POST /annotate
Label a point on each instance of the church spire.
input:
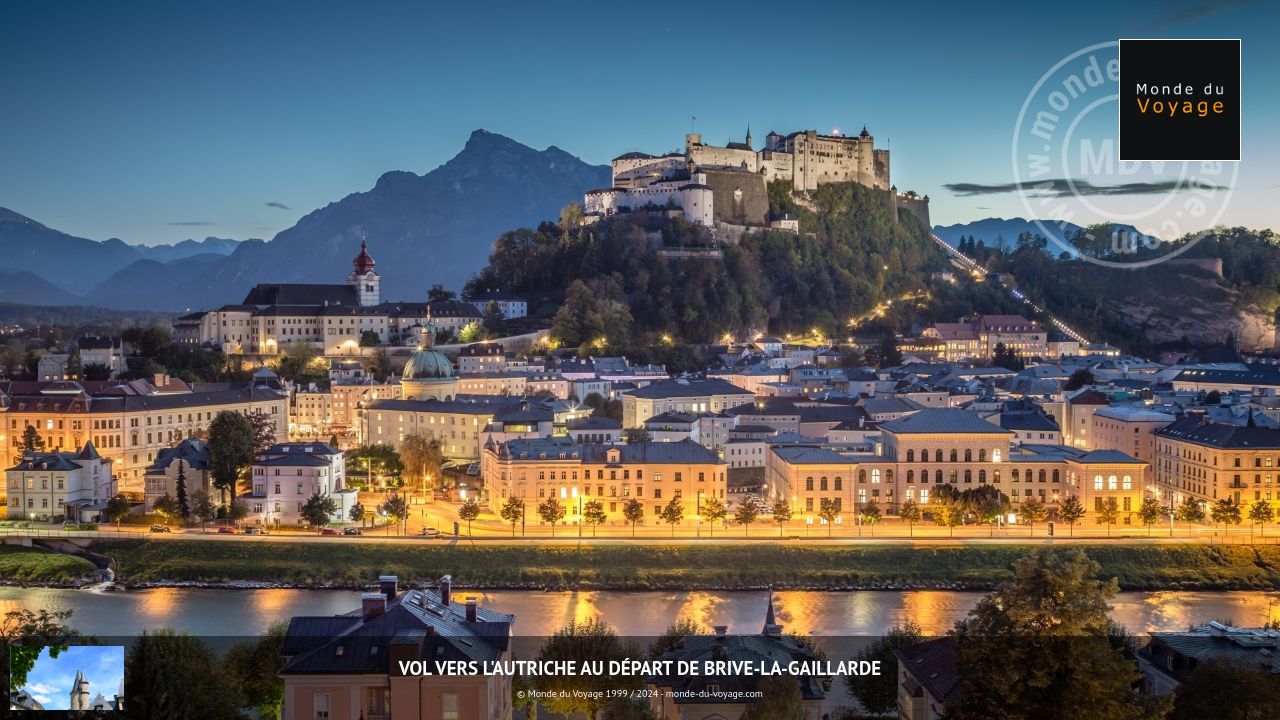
(749, 135)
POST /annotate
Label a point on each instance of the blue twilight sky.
(159, 121)
(50, 680)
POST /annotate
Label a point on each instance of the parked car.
(226, 530)
(352, 531)
(160, 529)
(429, 532)
(329, 531)
(257, 530)
(70, 525)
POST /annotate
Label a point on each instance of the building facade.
(47, 485)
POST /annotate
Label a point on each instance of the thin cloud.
(1060, 187)
(280, 205)
(1197, 12)
(192, 223)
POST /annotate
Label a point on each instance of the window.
(320, 706)
(1097, 482)
(449, 706)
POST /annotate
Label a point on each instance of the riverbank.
(27, 566)
(142, 563)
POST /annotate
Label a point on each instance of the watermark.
(1068, 174)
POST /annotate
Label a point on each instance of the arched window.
(822, 483)
(968, 475)
(888, 476)
(995, 476)
(982, 476)
(937, 477)
(968, 455)
(1056, 476)
(808, 483)
(1041, 474)
(951, 477)
(982, 455)
(954, 456)
(911, 476)
(1111, 482)
(1015, 474)
(875, 475)
(995, 455)
(937, 455)
(839, 484)
(911, 456)
(1128, 483)
(1097, 482)
(862, 476)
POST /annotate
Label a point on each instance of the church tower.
(749, 145)
(80, 692)
(367, 283)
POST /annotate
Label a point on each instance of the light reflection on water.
(245, 612)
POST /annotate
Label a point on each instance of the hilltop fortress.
(725, 188)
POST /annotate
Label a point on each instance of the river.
(227, 613)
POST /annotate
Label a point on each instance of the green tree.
(380, 364)
(1032, 512)
(166, 507)
(551, 511)
(633, 512)
(202, 506)
(1261, 513)
(264, 430)
(184, 508)
(356, 513)
(1226, 512)
(231, 448)
(437, 294)
(369, 338)
(673, 513)
(910, 514)
(75, 366)
(878, 694)
(593, 514)
(117, 507)
(1079, 379)
(1150, 512)
(579, 642)
(1223, 690)
(171, 675)
(396, 508)
(781, 512)
(31, 441)
(469, 511)
(1108, 513)
(890, 355)
(780, 699)
(513, 512)
(635, 436)
(829, 510)
(1071, 512)
(423, 457)
(494, 322)
(870, 515)
(24, 633)
(747, 512)
(251, 668)
(237, 510)
(97, 372)
(318, 510)
(674, 635)
(1022, 648)
(1190, 511)
(714, 512)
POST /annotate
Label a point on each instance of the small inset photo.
(66, 677)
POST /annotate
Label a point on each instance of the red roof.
(363, 263)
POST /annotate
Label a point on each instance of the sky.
(49, 682)
(155, 122)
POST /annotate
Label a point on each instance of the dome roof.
(427, 364)
(363, 262)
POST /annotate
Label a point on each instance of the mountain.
(187, 248)
(422, 229)
(151, 284)
(22, 287)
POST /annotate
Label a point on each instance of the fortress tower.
(80, 692)
(368, 284)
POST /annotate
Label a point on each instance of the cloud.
(280, 205)
(42, 688)
(42, 699)
(1196, 12)
(192, 223)
(1060, 187)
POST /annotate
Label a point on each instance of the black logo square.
(1180, 100)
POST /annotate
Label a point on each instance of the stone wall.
(741, 198)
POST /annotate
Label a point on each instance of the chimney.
(471, 609)
(372, 605)
(721, 630)
(446, 590)
(389, 586)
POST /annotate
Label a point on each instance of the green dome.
(427, 364)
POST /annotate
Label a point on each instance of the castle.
(727, 186)
(80, 696)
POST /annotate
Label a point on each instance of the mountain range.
(991, 231)
(422, 229)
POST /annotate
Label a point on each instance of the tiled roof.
(301, 294)
(1222, 435)
(932, 664)
(693, 388)
(1109, 456)
(942, 420)
(455, 407)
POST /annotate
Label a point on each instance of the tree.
(635, 436)
(184, 508)
(356, 513)
(97, 372)
(423, 457)
(878, 694)
(593, 514)
(1006, 357)
(264, 431)
(1109, 513)
(747, 512)
(871, 515)
(166, 507)
(513, 512)
(75, 366)
(1079, 379)
(829, 510)
(494, 321)
(1190, 511)
(31, 441)
(1071, 512)
(1223, 690)
(673, 513)
(396, 508)
(26, 632)
(237, 510)
(251, 667)
(890, 355)
(1227, 512)
(231, 448)
(171, 675)
(437, 294)
(469, 511)
(714, 512)
(318, 510)
(1150, 512)
(779, 699)
(580, 642)
(633, 512)
(1032, 512)
(1213, 397)
(1022, 648)
(910, 514)
(369, 338)
(380, 364)
(673, 636)
(551, 511)
(781, 512)
(1261, 513)
(117, 507)
(202, 506)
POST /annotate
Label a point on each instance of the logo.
(1088, 202)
